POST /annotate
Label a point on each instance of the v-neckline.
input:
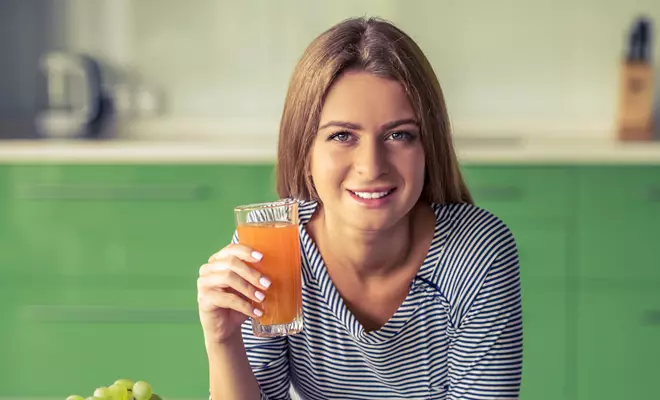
(336, 303)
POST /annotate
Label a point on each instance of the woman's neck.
(366, 255)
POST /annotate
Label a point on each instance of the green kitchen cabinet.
(618, 231)
(103, 261)
(98, 267)
(618, 342)
(618, 275)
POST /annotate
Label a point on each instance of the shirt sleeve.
(485, 356)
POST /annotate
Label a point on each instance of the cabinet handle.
(84, 192)
(103, 315)
(498, 193)
(653, 194)
(651, 317)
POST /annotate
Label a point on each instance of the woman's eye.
(401, 135)
(341, 136)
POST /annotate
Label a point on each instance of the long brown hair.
(378, 47)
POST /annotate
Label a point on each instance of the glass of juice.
(272, 229)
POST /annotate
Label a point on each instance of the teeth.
(371, 195)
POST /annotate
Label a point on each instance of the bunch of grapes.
(123, 389)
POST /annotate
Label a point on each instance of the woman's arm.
(485, 358)
(230, 375)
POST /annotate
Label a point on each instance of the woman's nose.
(371, 160)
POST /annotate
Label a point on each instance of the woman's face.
(367, 161)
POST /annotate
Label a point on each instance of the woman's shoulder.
(470, 224)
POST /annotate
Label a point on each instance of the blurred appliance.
(76, 105)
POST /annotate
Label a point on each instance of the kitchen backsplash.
(514, 66)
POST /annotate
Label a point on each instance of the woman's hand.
(229, 291)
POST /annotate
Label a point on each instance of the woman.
(410, 291)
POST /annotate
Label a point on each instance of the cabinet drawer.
(79, 356)
(604, 186)
(528, 191)
(619, 223)
(130, 329)
(126, 220)
(545, 343)
(618, 346)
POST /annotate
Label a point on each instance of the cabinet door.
(73, 339)
(534, 203)
(104, 261)
(545, 346)
(618, 342)
(619, 223)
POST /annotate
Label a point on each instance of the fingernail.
(258, 312)
(259, 296)
(264, 282)
(258, 256)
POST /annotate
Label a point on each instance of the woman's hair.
(377, 47)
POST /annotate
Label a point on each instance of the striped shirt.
(457, 334)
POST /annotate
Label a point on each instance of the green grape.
(127, 383)
(119, 391)
(104, 393)
(75, 397)
(142, 390)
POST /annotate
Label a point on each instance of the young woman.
(409, 291)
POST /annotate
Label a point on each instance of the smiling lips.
(372, 198)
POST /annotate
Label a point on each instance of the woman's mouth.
(372, 197)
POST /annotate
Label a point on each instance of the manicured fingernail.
(264, 282)
(256, 255)
(259, 296)
(258, 312)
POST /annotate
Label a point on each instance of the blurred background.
(129, 129)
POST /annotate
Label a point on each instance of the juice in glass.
(272, 230)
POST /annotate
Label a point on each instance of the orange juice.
(280, 245)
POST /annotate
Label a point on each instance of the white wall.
(528, 64)
(507, 66)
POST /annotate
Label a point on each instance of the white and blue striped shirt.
(457, 335)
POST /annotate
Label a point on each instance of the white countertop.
(256, 149)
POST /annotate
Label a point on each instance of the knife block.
(635, 119)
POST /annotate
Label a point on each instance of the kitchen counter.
(257, 149)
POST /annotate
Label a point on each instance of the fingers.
(227, 281)
(213, 300)
(237, 250)
(224, 278)
(230, 261)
